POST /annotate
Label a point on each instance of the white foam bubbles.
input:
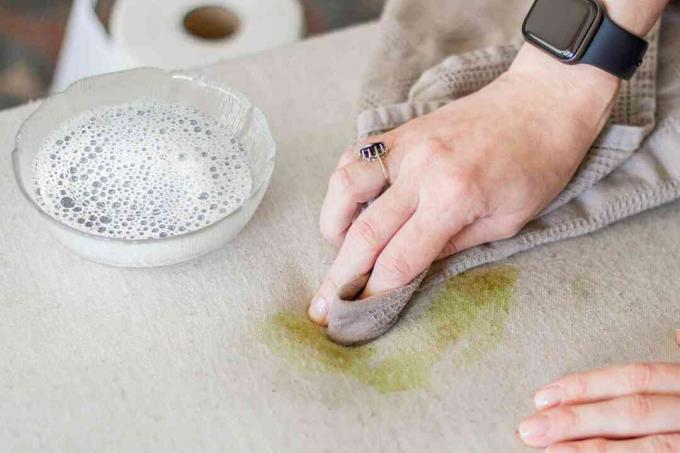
(141, 170)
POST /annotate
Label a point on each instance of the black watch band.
(615, 50)
(579, 31)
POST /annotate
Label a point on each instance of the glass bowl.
(229, 108)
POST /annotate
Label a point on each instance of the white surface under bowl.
(229, 108)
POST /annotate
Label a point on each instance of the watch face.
(561, 26)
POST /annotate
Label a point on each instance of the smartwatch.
(579, 31)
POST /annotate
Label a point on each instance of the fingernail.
(548, 397)
(534, 427)
(319, 309)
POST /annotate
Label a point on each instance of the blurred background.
(31, 34)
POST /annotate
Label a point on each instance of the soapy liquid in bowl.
(141, 170)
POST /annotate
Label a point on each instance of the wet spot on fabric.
(580, 287)
(465, 319)
(473, 306)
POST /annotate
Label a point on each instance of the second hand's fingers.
(415, 246)
(650, 444)
(364, 240)
(620, 418)
(607, 383)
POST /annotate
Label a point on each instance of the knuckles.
(600, 446)
(464, 185)
(463, 188)
(669, 443)
(576, 386)
(449, 249)
(637, 408)
(342, 179)
(658, 443)
(364, 232)
(330, 234)
(348, 156)
(639, 376)
(593, 446)
(431, 153)
(567, 419)
(508, 231)
(446, 179)
(395, 268)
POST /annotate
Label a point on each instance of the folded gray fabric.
(431, 53)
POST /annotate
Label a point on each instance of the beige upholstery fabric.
(206, 356)
(619, 177)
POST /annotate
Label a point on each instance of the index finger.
(612, 382)
(365, 239)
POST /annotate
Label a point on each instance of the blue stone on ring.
(373, 151)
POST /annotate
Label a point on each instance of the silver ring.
(373, 152)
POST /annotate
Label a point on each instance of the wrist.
(581, 91)
(636, 16)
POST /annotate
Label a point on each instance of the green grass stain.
(473, 306)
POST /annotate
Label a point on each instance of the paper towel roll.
(172, 34)
(87, 48)
(154, 32)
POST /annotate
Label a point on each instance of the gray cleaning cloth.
(431, 53)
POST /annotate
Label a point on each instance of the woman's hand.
(475, 171)
(623, 409)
